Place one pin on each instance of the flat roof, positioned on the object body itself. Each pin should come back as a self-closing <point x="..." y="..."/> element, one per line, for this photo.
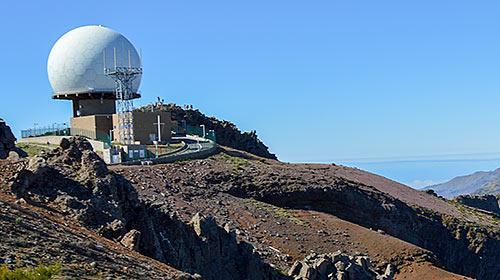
<point x="89" y="95"/>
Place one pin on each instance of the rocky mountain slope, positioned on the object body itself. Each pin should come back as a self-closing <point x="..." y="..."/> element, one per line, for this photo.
<point x="478" y="183"/>
<point x="233" y="216"/>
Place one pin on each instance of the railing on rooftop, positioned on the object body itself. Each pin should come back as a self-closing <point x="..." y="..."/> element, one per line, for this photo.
<point x="55" y="129"/>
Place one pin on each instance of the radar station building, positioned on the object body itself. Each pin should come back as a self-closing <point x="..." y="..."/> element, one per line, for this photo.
<point x="148" y="127"/>
<point x="87" y="66"/>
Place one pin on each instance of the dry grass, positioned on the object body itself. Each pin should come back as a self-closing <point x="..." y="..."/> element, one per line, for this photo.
<point x="41" y="272"/>
<point x="277" y="212"/>
<point x="33" y="149"/>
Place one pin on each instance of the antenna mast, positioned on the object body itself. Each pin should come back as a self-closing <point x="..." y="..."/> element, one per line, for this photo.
<point x="124" y="77"/>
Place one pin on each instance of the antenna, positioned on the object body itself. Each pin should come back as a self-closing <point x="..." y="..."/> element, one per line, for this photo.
<point x="124" y="93"/>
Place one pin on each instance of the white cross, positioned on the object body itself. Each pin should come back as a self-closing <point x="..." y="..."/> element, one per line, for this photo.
<point x="159" y="124"/>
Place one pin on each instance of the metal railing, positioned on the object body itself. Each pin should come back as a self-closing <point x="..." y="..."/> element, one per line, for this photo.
<point x="55" y="129"/>
<point x="64" y="130"/>
<point x="94" y="135"/>
<point x="196" y="130"/>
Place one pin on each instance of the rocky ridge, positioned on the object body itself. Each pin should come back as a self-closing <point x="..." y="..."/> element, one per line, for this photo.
<point x="488" y="203"/>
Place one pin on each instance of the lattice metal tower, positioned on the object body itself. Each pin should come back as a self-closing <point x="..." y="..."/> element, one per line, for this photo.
<point x="124" y="77"/>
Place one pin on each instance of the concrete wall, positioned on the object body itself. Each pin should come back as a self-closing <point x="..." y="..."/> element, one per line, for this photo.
<point x="94" y="126"/>
<point x="87" y="107"/>
<point x="55" y="140"/>
<point x="144" y="127"/>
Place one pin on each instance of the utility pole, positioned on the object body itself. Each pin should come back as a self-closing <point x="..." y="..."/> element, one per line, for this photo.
<point x="156" y="145"/>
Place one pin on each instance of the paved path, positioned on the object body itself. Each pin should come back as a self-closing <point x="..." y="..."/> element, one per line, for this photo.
<point x="194" y="144"/>
<point x="195" y="148"/>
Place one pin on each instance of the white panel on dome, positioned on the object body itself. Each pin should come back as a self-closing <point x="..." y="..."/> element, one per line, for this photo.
<point x="75" y="63"/>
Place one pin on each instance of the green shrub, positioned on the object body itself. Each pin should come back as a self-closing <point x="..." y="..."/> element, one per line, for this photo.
<point x="40" y="272"/>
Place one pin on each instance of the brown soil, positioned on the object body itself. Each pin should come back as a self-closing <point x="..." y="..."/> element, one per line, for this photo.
<point x="419" y="271"/>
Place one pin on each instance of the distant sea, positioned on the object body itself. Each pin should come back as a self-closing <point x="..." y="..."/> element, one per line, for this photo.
<point x="419" y="173"/>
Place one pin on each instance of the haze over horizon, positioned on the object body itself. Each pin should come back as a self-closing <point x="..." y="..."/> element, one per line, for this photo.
<point x="327" y="81"/>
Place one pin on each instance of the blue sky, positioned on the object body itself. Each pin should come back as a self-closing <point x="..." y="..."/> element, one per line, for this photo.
<point x="320" y="81"/>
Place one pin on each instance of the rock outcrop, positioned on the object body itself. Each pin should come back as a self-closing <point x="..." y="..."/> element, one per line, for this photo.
<point x="7" y="140"/>
<point x="488" y="203"/>
<point x="131" y="240"/>
<point x="200" y="246"/>
<point x="337" y="266"/>
<point x="74" y="180"/>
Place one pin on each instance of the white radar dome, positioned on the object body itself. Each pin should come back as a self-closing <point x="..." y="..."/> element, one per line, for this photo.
<point x="77" y="60"/>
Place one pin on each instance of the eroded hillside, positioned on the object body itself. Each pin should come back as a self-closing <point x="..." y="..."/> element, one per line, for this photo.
<point x="236" y="216"/>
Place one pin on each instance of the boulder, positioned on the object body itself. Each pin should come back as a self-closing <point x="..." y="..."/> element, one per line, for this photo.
<point x="131" y="240"/>
<point x="13" y="155"/>
<point x="7" y="140"/>
<point x="295" y="269"/>
<point x="388" y="274"/>
<point x="205" y="227"/>
<point x="65" y="144"/>
<point x="336" y="266"/>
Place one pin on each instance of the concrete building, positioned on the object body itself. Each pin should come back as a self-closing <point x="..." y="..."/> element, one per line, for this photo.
<point x="94" y="126"/>
<point x="146" y="128"/>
